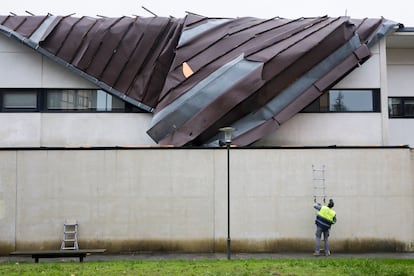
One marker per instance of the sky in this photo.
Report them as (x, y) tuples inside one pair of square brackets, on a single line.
[(398, 11)]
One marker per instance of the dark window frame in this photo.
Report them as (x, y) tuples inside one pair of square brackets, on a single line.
[(401, 112), (322, 104), (38, 93), (42, 105)]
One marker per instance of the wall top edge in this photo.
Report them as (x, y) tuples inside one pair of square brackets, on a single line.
[(196, 148)]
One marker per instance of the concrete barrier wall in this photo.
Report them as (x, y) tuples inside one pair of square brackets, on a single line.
[(130, 200)]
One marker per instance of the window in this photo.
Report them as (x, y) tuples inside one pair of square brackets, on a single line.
[(19, 100), (355, 100), (61, 100), (401, 107), (83, 100)]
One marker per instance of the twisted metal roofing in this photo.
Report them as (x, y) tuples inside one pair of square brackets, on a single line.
[(198, 74)]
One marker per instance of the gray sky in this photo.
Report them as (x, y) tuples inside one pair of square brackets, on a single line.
[(400, 11)]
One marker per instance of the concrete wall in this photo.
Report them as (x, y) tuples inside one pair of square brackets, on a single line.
[(175, 199)]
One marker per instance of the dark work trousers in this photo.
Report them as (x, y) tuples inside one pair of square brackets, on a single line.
[(318, 235)]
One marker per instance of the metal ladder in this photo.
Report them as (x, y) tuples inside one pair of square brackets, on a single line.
[(319, 184), (70, 235), (319, 189)]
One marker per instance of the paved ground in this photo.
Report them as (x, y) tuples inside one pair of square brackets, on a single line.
[(205, 256)]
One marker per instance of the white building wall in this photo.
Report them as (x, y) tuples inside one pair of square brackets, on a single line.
[(326, 129), (400, 70)]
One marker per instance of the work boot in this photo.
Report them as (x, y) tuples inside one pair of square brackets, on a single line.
[(327, 253), (316, 254)]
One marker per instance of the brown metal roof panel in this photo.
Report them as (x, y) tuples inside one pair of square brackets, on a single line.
[(292, 69), (177, 84), (14, 22), (3, 19), (151, 75), (57, 37), (203, 94), (192, 20), (30, 25), (209, 112), (131, 52), (203, 40), (204, 60), (367, 27), (359, 56), (277, 34), (146, 48), (292, 93), (184, 85), (122, 54), (304, 46), (109, 37), (93, 41), (257, 133), (312, 93), (308, 95), (208, 55), (75, 37), (163, 64), (85, 52)]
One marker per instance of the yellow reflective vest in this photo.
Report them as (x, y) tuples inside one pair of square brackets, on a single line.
[(327, 213)]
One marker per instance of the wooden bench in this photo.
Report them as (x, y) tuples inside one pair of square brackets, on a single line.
[(80, 253)]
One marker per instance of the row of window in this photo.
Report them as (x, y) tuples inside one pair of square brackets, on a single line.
[(361, 100), (364, 100), (92, 100), (61, 100), (401, 107)]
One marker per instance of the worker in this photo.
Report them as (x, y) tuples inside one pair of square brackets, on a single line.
[(324, 219)]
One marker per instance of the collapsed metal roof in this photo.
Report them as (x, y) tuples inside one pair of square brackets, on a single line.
[(198, 74)]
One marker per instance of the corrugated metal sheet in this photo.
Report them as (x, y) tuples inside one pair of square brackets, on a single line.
[(198, 74)]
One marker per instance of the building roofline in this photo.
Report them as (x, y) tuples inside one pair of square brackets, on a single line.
[(402, 29)]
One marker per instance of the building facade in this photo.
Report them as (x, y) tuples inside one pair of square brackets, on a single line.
[(70, 150)]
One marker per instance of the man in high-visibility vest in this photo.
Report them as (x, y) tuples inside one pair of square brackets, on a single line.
[(324, 219)]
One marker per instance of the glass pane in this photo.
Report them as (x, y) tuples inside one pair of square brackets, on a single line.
[(107, 102), (83, 100), (20, 99), (102, 101), (117, 104), (71, 100), (395, 107), (350, 100), (409, 107)]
